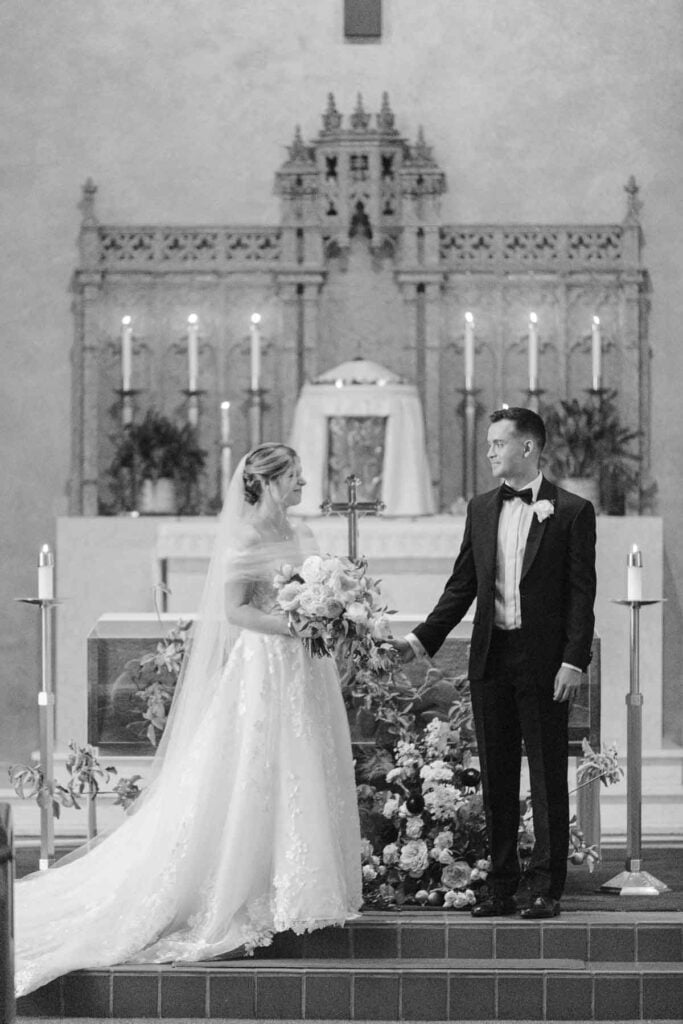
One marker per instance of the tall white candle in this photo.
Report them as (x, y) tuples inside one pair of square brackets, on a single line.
[(469, 351), (46, 574), (533, 352), (192, 350), (255, 349), (596, 349), (126, 352), (634, 575), (225, 423)]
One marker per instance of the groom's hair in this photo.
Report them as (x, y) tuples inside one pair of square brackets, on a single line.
[(527, 422)]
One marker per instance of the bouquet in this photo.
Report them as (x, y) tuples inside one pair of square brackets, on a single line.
[(334, 606)]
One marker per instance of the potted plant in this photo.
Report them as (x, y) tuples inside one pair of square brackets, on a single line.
[(156, 466), (590, 451)]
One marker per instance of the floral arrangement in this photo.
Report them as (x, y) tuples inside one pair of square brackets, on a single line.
[(333, 605), (156, 678), (424, 829)]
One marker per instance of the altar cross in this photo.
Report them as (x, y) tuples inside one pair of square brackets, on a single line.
[(350, 508)]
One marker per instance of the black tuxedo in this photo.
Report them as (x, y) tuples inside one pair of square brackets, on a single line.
[(512, 674)]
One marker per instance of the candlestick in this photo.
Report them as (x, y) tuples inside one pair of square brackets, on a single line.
[(126, 352), (469, 351), (255, 349), (192, 350), (533, 352), (225, 423), (634, 575), (46, 574), (596, 349)]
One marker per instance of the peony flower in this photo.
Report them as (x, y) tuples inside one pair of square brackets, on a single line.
[(414, 857), (456, 875), (357, 612), (390, 854), (312, 569), (543, 509), (288, 598), (414, 826)]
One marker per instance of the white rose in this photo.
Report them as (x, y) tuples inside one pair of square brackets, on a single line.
[(543, 509), (369, 873), (414, 857), (414, 826), (357, 612), (312, 569), (288, 598), (390, 854)]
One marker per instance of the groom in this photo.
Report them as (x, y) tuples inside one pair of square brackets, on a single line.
[(528, 556)]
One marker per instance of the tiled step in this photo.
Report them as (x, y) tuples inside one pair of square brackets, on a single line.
[(371, 990), (593, 937)]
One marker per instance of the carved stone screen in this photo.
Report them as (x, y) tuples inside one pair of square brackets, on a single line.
[(361, 263)]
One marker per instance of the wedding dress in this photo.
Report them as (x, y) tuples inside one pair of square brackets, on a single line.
[(250, 826)]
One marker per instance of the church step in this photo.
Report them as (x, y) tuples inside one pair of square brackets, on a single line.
[(370, 990)]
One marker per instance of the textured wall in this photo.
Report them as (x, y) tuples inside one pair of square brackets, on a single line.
[(180, 110)]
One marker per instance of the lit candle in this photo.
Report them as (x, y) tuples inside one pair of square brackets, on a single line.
[(192, 350), (255, 348), (634, 575), (126, 352), (225, 423), (469, 351), (46, 574), (533, 352), (596, 349)]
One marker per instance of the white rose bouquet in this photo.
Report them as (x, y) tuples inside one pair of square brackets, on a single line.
[(332, 603)]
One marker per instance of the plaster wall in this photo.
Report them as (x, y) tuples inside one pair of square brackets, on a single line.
[(180, 111)]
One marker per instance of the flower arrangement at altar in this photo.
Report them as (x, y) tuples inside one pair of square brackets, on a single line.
[(424, 833)]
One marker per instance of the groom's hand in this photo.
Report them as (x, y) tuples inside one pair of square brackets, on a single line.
[(403, 648), (567, 683)]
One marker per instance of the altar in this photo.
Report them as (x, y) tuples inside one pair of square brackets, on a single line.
[(111, 565)]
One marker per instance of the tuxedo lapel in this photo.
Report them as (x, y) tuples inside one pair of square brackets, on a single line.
[(488, 531), (546, 492)]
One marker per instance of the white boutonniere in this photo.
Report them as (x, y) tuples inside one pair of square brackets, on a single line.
[(543, 509)]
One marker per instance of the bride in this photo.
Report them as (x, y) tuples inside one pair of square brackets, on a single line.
[(249, 825)]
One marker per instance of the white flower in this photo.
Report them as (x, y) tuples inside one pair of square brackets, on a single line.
[(456, 875), (437, 771), (397, 773), (312, 570), (288, 598), (414, 826), (443, 801), (444, 857), (390, 854), (444, 840), (357, 612), (380, 627), (543, 509), (369, 873), (459, 900), (414, 857), (391, 806)]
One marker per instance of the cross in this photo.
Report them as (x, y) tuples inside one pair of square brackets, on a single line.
[(350, 508)]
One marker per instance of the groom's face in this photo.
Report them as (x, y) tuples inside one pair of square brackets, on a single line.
[(508, 453)]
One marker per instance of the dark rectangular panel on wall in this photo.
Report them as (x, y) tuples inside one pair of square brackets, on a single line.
[(362, 19)]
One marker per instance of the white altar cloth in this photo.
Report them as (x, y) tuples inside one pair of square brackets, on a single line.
[(407, 486)]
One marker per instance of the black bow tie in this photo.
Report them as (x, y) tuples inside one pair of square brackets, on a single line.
[(507, 493)]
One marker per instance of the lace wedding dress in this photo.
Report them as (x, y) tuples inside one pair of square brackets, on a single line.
[(249, 830)]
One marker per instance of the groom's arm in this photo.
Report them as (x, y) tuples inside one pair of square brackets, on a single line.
[(459, 593)]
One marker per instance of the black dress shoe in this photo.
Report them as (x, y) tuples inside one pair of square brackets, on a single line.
[(542, 906), (495, 906)]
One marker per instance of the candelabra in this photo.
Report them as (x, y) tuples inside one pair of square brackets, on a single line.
[(46, 716), (256, 406), (127, 398), (633, 880), (534, 398), (193, 396), (469, 410)]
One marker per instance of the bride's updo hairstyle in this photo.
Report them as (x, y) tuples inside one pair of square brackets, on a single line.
[(265, 463)]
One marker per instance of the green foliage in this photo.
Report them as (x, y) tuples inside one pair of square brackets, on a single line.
[(155, 448), (587, 439)]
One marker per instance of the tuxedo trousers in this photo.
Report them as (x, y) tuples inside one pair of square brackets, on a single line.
[(513, 707)]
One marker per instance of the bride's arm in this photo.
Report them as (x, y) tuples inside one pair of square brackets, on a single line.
[(240, 612)]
